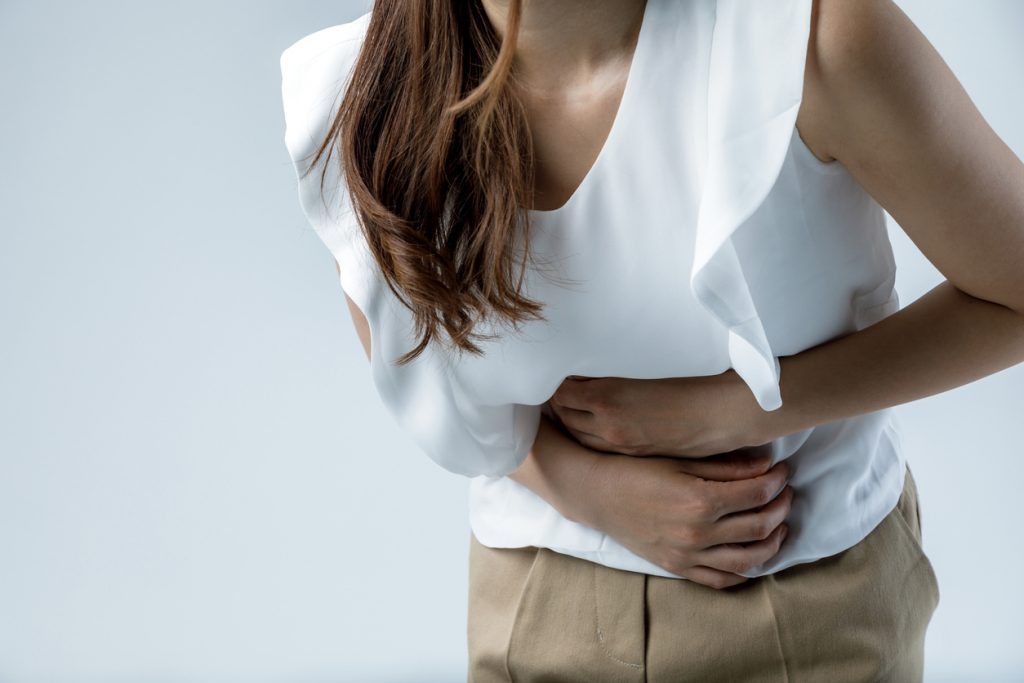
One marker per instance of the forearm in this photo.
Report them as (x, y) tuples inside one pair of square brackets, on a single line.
[(943, 340), (557, 469)]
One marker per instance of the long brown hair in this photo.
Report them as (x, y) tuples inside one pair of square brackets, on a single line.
[(436, 153)]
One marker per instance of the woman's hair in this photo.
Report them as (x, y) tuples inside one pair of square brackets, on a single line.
[(437, 156)]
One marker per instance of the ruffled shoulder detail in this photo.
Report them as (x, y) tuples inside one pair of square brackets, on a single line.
[(755, 86), (314, 73), (455, 430)]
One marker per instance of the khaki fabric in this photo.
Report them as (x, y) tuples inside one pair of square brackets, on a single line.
[(860, 615)]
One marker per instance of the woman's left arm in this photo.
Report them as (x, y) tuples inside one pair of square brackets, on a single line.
[(904, 126), (893, 113)]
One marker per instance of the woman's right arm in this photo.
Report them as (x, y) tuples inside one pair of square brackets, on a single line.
[(684, 515)]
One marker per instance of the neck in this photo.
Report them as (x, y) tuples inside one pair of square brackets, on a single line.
[(563, 41)]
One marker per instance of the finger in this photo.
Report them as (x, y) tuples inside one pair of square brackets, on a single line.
[(733, 557), (584, 427), (572, 393), (596, 443), (580, 420), (727, 467), (713, 578), (726, 497), (746, 451), (747, 527)]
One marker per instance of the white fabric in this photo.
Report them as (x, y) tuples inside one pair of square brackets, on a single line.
[(706, 236)]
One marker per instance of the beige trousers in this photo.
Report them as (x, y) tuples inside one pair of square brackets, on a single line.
[(538, 615)]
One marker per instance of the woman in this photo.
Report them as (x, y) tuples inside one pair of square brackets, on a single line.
[(685, 463)]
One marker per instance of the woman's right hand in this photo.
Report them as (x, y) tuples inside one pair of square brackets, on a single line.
[(703, 519)]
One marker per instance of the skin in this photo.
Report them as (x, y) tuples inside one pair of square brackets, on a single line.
[(671, 468), (570, 82)]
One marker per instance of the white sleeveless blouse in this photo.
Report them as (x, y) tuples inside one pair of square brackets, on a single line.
[(706, 236)]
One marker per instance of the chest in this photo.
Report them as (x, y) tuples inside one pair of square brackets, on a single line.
[(615, 279), (612, 260), (568, 129)]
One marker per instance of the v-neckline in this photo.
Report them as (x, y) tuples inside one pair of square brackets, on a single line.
[(635, 66)]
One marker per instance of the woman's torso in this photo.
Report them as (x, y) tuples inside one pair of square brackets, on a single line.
[(815, 255), (705, 236)]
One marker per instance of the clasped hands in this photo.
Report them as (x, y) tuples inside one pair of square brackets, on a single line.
[(701, 501)]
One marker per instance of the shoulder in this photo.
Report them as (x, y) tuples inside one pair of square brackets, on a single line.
[(863, 57), (314, 69), (898, 118), (327, 44), (861, 42)]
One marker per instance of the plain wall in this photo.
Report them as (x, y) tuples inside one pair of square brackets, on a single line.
[(197, 479)]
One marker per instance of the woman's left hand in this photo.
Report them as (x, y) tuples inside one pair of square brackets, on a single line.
[(673, 416)]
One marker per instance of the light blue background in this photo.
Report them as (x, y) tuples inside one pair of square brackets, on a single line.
[(197, 479)]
